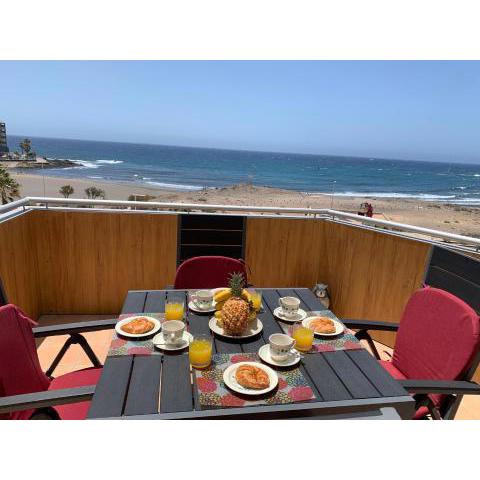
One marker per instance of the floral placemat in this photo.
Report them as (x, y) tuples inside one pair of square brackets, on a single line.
[(129, 346), (212, 391), (344, 341)]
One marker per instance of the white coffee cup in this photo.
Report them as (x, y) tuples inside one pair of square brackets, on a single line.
[(290, 306), (173, 331), (203, 299), (280, 346)]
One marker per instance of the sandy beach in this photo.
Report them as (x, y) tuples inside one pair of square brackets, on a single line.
[(458, 219)]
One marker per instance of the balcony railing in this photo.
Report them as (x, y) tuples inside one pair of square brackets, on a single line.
[(461, 242)]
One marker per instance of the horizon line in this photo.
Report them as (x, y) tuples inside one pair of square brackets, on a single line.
[(246, 150)]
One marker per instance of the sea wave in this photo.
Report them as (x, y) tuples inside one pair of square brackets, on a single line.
[(110, 162), (422, 196), (82, 163), (175, 186)]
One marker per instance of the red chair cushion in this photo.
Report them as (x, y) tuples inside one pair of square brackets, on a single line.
[(20, 370), (207, 272), (80, 378), (437, 339), (398, 375)]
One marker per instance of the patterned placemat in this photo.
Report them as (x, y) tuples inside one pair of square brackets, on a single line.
[(128, 346), (344, 341), (212, 391)]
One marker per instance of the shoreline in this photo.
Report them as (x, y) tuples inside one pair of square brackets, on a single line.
[(434, 214)]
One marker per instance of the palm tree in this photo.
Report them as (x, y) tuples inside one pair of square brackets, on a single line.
[(66, 191), (26, 147), (94, 192), (9, 187)]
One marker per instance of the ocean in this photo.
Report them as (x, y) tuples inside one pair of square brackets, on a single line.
[(188, 168)]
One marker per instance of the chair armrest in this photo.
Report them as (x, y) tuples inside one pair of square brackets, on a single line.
[(454, 387), (370, 325), (71, 328), (47, 398)]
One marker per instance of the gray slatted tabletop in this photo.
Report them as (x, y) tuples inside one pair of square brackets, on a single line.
[(160, 386)]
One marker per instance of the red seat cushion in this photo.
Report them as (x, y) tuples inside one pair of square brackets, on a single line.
[(438, 338), (80, 378), (207, 272), (398, 375), (20, 370)]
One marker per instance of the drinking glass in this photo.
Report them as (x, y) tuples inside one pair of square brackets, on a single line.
[(200, 351), (174, 308), (303, 338)]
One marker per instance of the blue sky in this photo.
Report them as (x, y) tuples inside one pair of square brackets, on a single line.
[(410, 110)]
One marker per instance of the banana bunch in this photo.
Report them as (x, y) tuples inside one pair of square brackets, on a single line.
[(223, 295)]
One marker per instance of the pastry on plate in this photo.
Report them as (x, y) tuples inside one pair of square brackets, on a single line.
[(322, 325), (252, 377), (138, 326)]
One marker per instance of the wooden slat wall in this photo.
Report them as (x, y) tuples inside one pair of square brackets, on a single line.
[(370, 274), (87, 261), (285, 252), (18, 264)]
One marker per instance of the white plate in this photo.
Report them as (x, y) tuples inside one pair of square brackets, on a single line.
[(155, 329), (159, 342), (231, 381), (264, 354), (339, 328), (301, 315), (253, 329), (194, 308)]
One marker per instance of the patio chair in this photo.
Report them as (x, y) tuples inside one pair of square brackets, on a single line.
[(26, 392), (436, 353), (207, 272)]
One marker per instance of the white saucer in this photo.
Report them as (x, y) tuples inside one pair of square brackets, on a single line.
[(339, 327), (231, 381), (301, 315), (194, 308), (154, 330), (253, 329), (264, 354), (159, 342)]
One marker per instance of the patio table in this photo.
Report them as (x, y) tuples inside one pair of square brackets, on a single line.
[(162, 386)]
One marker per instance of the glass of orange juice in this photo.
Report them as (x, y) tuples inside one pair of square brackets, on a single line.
[(303, 338), (256, 299), (200, 351), (174, 308)]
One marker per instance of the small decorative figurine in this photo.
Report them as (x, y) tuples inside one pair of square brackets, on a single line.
[(321, 292)]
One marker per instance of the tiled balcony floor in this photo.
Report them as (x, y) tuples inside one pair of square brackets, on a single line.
[(75, 358)]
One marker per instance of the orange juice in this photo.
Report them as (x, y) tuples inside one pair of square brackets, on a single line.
[(303, 338), (200, 351), (256, 300), (174, 310)]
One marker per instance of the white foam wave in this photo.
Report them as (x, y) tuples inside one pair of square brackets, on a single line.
[(422, 196), (175, 186), (110, 162), (83, 163)]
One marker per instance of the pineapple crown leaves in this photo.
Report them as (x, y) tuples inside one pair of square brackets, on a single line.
[(236, 283)]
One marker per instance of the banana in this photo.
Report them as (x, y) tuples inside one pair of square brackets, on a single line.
[(223, 295), (219, 306), (246, 295)]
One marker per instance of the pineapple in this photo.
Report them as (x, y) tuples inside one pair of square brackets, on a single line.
[(235, 311)]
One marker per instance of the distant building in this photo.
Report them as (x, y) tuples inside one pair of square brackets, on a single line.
[(3, 139)]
